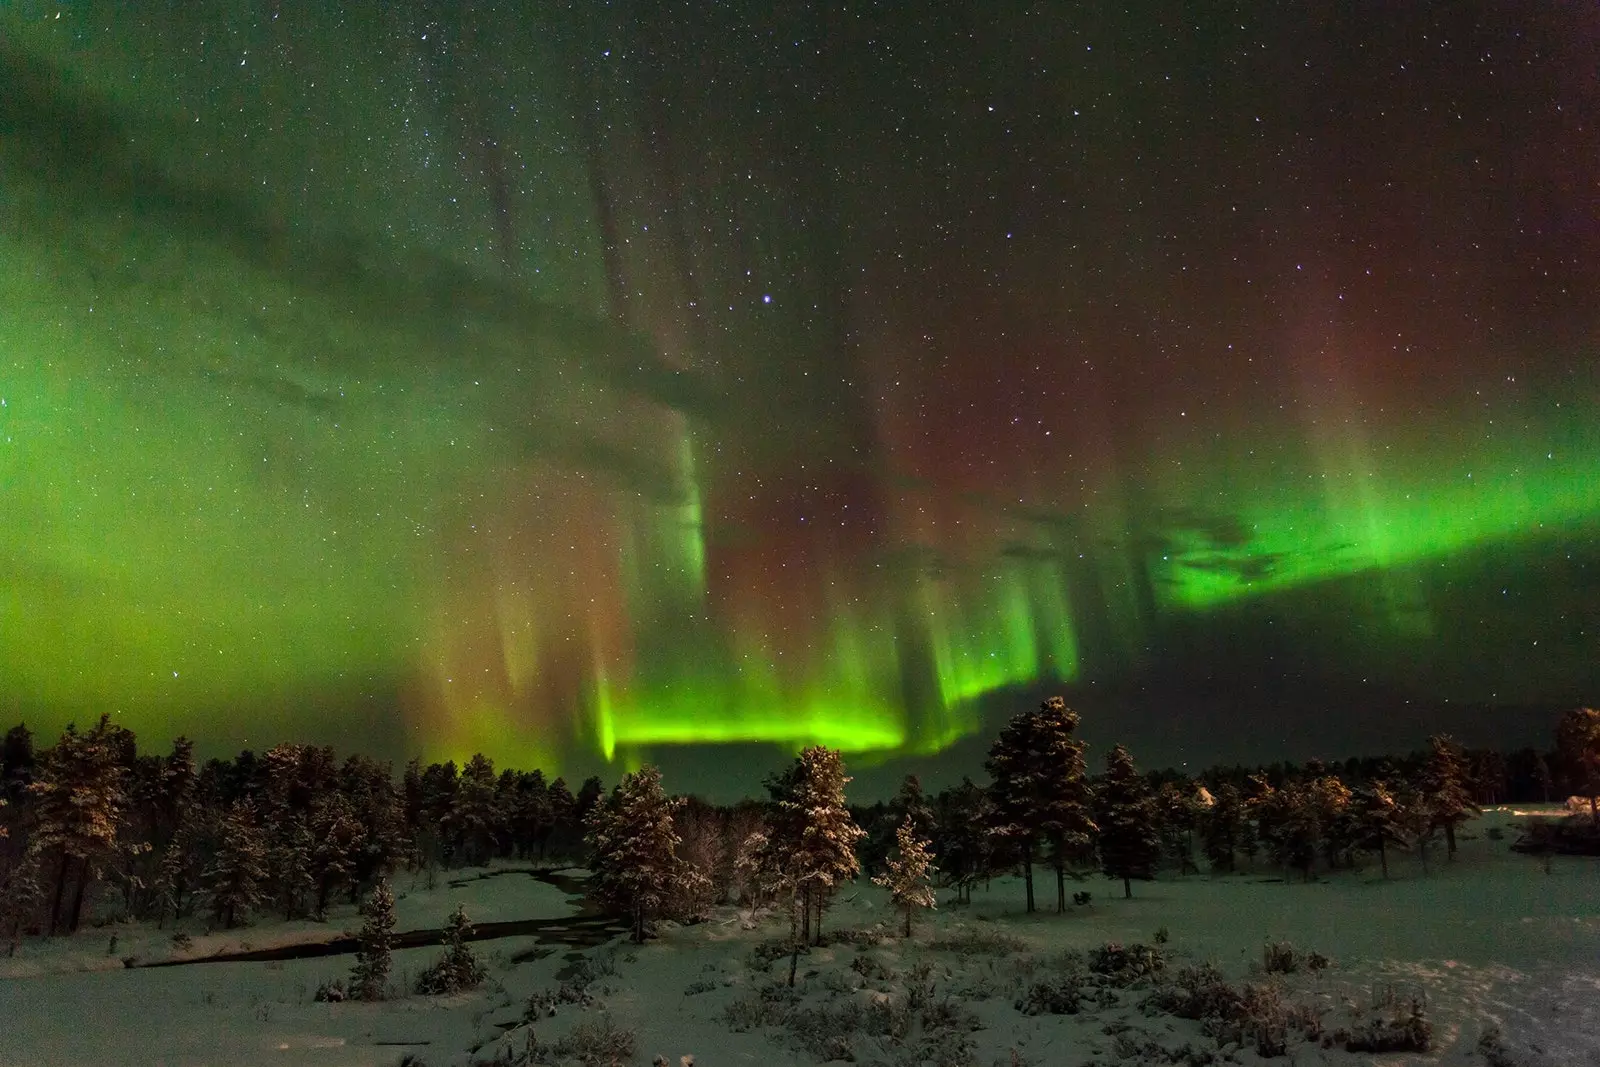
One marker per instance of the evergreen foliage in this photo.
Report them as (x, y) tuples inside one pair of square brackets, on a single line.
[(79, 795), (966, 841), (474, 814), (236, 880), (813, 834), (459, 969), (1378, 822), (908, 873), (369, 979), (1041, 791), (1578, 747), (1224, 828), (1446, 787), (1125, 812), (635, 845)]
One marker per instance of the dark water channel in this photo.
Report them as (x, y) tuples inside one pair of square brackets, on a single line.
[(584, 929)]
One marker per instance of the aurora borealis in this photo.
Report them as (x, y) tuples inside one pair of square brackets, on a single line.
[(597, 384)]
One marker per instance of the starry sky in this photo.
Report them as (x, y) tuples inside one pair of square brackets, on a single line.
[(689, 383)]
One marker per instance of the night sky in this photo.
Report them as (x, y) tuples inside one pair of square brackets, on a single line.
[(594, 384)]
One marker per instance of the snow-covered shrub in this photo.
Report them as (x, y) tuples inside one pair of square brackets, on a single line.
[(767, 1006), (1061, 996), (977, 941), (1125, 965), (1281, 957), (458, 969), (1405, 1029), (330, 991), (1196, 991)]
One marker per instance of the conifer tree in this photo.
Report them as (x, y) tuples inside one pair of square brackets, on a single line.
[(814, 834), (338, 838), (1444, 784), (369, 979), (474, 813), (237, 877), (293, 855), (1222, 828), (636, 863), (1378, 822), (79, 797), (1125, 812), (908, 873), (1578, 748), (1041, 790), (459, 968), (966, 836)]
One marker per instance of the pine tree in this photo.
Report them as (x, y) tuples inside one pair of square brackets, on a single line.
[(79, 798), (1378, 822), (339, 840), (474, 814), (293, 855), (1578, 747), (909, 870), (1222, 828), (369, 979), (1041, 790), (966, 836), (458, 969), (814, 834), (1444, 783), (636, 862), (1125, 812), (237, 877)]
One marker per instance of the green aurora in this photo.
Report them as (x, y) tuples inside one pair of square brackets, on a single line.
[(358, 389)]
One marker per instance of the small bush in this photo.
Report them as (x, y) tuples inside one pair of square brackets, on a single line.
[(768, 1006), (850, 935), (1406, 1030), (1281, 957), (331, 991), (182, 942), (593, 1043), (1198, 991), (1126, 965), (978, 941), (1061, 997), (701, 985)]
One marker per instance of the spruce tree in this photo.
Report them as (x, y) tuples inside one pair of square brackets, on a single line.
[(909, 870), (966, 836), (474, 812), (1578, 748), (817, 847), (237, 877), (635, 847), (1444, 784), (1041, 791), (369, 979), (458, 969), (1125, 812)]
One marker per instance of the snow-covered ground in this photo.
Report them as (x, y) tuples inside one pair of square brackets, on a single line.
[(1489, 940)]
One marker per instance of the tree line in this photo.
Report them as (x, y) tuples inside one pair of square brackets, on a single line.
[(92, 822)]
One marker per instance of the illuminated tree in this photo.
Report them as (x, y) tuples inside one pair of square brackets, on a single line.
[(813, 833), (1223, 827), (79, 797), (636, 864), (237, 877), (965, 836), (1578, 747), (908, 872), (1445, 787), (339, 839), (474, 813), (369, 979), (1378, 822), (1125, 812), (1041, 791)]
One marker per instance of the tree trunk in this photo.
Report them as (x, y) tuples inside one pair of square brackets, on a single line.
[(1127, 888), (61, 890), (1449, 841), (819, 918), (805, 911), (1027, 875), (908, 924), (1061, 886), (77, 895)]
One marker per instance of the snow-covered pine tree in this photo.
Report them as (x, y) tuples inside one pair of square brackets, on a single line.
[(1578, 749), (814, 834), (1041, 790), (459, 968), (1377, 822), (79, 796), (237, 877), (966, 835), (1125, 812), (1178, 812), (1444, 783), (1222, 827), (474, 814), (369, 979), (339, 839), (636, 864), (908, 872), (293, 851)]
